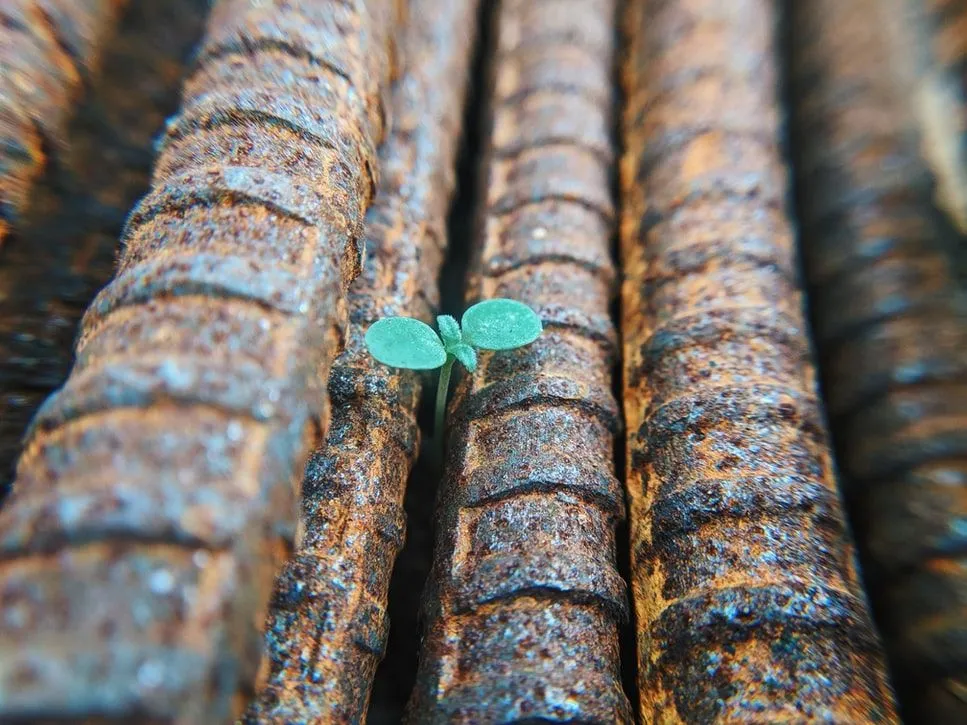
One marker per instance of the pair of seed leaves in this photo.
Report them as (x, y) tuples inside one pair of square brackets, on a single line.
[(497, 324)]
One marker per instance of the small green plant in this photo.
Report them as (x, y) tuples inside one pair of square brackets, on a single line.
[(405, 342)]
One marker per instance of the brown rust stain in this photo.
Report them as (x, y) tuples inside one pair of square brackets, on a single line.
[(64, 247), (524, 600), (929, 44), (327, 624), (748, 604), (159, 485), (891, 324), (47, 50)]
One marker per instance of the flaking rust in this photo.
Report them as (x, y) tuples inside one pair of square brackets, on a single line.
[(156, 495), (327, 624), (524, 601), (747, 599), (891, 328), (48, 48)]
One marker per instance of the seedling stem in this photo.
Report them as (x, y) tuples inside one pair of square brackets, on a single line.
[(442, 388)]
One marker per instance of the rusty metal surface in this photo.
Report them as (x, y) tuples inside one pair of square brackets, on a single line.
[(748, 604), (891, 328), (156, 496), (524, 599), (327, 625), (47, 50), (64, 248), (928, 41)]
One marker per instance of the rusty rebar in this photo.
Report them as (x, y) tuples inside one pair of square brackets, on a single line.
[(64, 247), (928, 44), (47, 50), (327, 624), (524, 600), (156, 496), (891, 328), (747, 599)]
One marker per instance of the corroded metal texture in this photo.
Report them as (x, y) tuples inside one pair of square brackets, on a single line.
[(155, 498), (327, 624), (524, 600), (64, 247), (47, 49), (891, 329), (928, 49), (747, 599)]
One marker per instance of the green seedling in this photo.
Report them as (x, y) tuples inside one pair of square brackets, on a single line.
[(404, 342)]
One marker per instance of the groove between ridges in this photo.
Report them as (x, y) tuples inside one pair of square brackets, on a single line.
[(554, 232), (683, 509), (246, 280), (271, 106), (547, 118), (527, 391), (731, 155), (240, 389), (252, 46), (279, 193), (565, 173), (719, 189), (550, 475), (765, 405), (544, 26)]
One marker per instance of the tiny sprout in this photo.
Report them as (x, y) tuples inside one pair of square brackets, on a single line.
[(404, 342)]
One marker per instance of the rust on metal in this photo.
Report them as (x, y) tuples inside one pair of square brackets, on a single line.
[(747, 598), (156, 496), (928, 40), (327, 624), (524, 600), (65, 244), (48, 48), (891, 328)]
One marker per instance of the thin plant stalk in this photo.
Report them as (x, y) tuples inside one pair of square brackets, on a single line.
[(441, 398)]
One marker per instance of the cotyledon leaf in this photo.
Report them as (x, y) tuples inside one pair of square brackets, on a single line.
[(405, 342), (500, 324)]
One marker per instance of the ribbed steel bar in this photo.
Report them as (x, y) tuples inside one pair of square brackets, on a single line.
[(928, 46), (524, 601), (327, 624), (156, 496), (747, 599), (64, 248), (47, 49), (891, 328)]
